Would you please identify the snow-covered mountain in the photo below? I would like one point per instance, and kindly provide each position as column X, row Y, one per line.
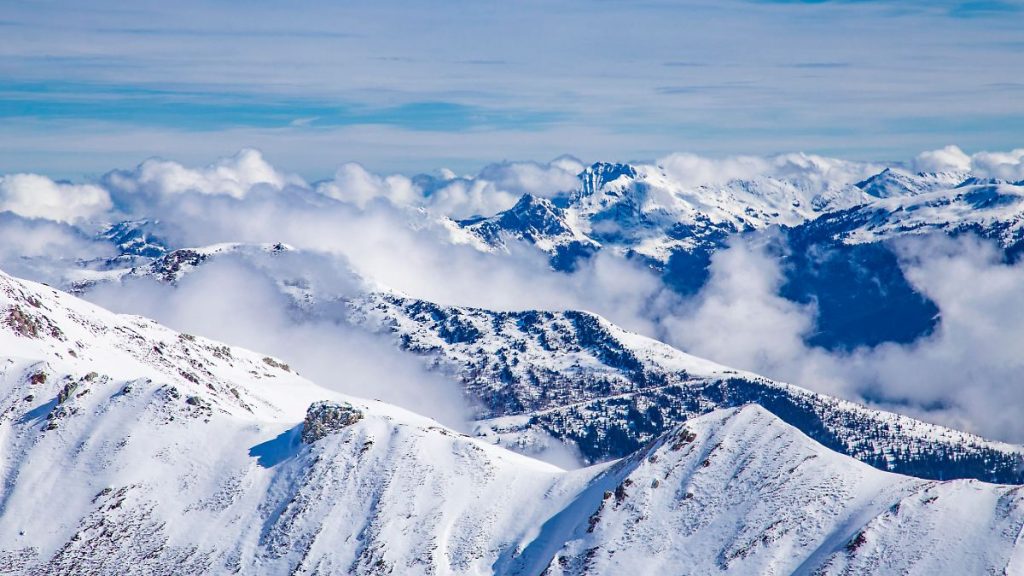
column 834, row 246
column 171, row 453
column 136, row 238
column 740, row 492
column 575, row 377
column 845, row 263
column 536, row 221
column 989, row 209
column 174, row 454
column 579, row 378
column 893, row 182
column 834, row 251
column 642, row 210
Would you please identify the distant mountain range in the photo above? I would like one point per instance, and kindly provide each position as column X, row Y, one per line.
column 834, row 238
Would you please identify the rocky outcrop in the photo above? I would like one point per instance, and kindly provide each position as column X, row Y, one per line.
column 323, row 418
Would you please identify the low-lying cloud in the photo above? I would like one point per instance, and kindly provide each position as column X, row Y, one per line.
column 497, row 187
column 232, row 301
column 693, row 170
column 35, row 196
column 1007, row 166
column 386, row 230
column 966, row 374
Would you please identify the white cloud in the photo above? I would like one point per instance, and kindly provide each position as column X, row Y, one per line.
column 234, row 176
column 1007, row 166
column 232, row 301
column 35, row 196
column 497, row 187
column 545, row 180
column 465, row 197
column 44, row 250
column 691, row 170
column 948, row 159
column 739, row 319
column 694, row 170
column 353, row 183
column 963, row 375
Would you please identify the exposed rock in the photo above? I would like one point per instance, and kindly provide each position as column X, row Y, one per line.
column 323, row 418
column 274, row 363
column 67, row 392
column 29, row 325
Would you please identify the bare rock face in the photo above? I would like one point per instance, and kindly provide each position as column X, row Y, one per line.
column 325, row 417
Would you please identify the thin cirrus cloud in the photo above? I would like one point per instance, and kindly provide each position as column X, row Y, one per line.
column 212, row 110
column 403, row 86
column 954, row 8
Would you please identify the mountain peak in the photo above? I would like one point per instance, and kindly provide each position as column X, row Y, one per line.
column 535, row 220
column 894, row 182
column 136, row 238
column 601, row 174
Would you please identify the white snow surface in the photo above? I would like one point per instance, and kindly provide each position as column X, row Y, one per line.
column 128, row 448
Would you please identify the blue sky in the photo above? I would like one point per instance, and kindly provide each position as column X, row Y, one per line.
column 408, row 86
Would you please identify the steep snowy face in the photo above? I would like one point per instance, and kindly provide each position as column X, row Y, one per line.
column 893, row 182
column 602, row 185
column 536, row 221
column 578, row 378
column 171, row 453
column 739, row 492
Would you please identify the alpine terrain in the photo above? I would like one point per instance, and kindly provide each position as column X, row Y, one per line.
column 130, row 448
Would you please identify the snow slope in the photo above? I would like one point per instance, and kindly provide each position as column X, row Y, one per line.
column 740, row 492
column 893, row 182
column 126, row 447
column 989, row 209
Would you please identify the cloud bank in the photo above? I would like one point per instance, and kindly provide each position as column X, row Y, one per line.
column 966, row 374
column 693, row 170
column 1007, row 166
column 388, row 230
column 35, row 196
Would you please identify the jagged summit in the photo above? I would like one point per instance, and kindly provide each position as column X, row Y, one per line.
column 601, row 175
column 536, row 220
column 136, row 238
